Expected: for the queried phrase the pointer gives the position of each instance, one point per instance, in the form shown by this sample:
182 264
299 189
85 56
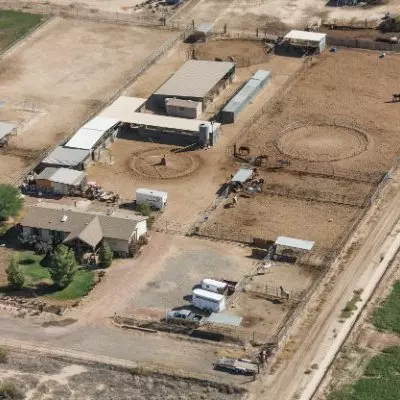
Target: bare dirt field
49 90
36 377
188 262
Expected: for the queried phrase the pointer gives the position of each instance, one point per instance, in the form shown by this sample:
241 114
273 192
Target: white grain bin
208 301
154 198
213 285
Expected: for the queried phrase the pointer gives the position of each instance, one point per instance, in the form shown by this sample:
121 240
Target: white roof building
173 123
294 243
123 107
91 133
305 35
65 176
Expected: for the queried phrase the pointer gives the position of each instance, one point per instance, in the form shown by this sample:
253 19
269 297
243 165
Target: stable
123 106
171 130
196 80
287 246
306 40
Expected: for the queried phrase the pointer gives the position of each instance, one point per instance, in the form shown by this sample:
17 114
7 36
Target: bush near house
15 276
11 201
105 255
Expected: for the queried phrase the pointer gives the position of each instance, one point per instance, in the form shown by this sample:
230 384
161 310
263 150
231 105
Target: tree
62 266
15 276
105 255
11 201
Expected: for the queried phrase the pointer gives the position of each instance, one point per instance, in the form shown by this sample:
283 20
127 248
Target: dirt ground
348 137
50 90
131 159
188 262
40 377
276 16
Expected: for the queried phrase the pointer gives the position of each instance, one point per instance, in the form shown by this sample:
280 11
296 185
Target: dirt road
373 246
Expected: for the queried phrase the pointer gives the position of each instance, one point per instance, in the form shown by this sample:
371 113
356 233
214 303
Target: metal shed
93 133
61 180
284 242
244 96
66 157
314 40
183 108
196 80
242 175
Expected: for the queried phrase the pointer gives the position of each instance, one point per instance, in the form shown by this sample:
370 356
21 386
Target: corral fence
361 43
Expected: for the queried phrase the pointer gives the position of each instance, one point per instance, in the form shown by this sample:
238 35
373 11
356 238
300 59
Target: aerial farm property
225 172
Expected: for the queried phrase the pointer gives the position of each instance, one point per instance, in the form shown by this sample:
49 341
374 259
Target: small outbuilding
285 245
183 108
306 40
63 181
67 157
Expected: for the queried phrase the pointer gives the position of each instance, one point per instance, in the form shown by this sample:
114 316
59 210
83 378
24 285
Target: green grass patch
14 24
381 380
35 275
387 317
80 286
31 268
351 305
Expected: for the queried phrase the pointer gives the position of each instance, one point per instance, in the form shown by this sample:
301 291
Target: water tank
204 135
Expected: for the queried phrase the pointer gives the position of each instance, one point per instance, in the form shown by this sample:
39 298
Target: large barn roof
195 78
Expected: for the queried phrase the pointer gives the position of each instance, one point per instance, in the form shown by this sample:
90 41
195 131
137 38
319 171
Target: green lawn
387 317
80 286
14 24
381 380
33 271
36 274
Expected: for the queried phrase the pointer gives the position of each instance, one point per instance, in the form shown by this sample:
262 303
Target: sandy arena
50 90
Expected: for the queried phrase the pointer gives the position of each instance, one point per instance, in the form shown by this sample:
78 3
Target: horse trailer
213 285
208 301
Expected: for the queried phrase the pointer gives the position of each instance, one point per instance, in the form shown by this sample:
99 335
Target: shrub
3 355
143 209
11 201
15 276
9 391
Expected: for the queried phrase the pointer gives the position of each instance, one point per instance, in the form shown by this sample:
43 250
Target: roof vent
64 218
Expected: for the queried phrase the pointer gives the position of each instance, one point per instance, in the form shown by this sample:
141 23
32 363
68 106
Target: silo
204 135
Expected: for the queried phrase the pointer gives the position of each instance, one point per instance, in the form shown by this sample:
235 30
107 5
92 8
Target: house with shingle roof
82 230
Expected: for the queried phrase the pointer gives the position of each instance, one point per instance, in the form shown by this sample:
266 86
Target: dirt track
354 270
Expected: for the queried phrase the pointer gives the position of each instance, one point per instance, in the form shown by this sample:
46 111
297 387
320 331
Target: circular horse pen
322 142
162 163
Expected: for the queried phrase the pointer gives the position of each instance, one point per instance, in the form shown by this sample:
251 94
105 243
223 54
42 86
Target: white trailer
208 301
154 198
213 285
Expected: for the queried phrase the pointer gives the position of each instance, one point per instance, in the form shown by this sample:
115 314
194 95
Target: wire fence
368 44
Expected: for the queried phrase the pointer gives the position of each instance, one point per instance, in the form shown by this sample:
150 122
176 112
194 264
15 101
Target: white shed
315 40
